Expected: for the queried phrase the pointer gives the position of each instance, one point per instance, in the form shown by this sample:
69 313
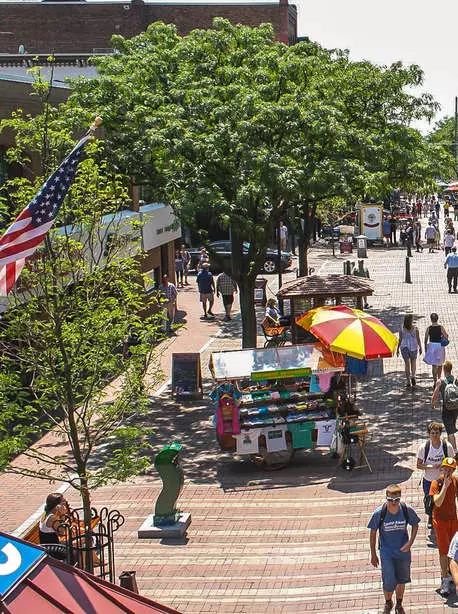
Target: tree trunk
308 212
88 539
249 332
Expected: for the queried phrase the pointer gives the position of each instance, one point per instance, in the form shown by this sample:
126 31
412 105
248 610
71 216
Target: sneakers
444 590
399 609
388 607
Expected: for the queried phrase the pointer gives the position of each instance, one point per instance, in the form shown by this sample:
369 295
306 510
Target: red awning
54 587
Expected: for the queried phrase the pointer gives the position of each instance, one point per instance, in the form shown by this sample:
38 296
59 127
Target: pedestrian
430 236
391 520
179 268
393 230
452 272
203 257
449 240
435 335
437 208
419 208
283 236
186 257
361 271
447 390
409 346
455 211
227 287
453 559
430 455
206 285
425 208
417 236
386 228
445 522
446 208
169 293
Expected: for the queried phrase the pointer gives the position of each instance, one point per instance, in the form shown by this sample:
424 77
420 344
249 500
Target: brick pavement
292 540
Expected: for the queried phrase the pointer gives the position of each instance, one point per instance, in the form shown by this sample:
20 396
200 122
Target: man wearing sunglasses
391 520
445 520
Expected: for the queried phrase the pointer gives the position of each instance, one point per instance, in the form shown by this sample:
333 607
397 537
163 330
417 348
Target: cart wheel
349 463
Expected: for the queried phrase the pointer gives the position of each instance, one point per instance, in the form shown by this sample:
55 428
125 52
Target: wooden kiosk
306 293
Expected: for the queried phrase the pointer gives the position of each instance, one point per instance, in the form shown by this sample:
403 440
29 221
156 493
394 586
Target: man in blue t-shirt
391 520
206 285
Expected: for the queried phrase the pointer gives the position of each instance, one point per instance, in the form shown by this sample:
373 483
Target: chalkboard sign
186 375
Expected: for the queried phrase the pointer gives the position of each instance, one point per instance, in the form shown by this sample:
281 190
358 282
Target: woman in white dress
409 346
434 350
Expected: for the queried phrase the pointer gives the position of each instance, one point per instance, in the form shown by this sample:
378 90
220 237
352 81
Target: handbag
444 341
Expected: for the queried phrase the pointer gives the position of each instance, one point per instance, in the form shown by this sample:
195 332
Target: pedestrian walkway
292 540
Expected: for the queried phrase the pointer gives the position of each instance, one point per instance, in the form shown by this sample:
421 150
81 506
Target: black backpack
384 511
428 500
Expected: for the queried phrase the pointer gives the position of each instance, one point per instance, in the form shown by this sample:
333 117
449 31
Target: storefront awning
32 581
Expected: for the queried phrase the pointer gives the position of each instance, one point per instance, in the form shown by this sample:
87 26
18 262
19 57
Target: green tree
229 121
63 338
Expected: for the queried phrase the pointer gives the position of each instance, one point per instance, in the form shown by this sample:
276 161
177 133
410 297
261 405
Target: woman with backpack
447 390
409 346
436 338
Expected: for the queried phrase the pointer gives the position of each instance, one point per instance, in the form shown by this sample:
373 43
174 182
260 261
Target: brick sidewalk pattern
292 540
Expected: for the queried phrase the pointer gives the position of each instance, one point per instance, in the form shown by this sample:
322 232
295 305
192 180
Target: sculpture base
148 530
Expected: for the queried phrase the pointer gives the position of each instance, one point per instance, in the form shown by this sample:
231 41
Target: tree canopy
229 121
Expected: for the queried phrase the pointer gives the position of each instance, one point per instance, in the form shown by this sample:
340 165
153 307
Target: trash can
361 245
260 291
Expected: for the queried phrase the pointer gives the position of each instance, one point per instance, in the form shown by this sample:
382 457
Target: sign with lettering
17 558
186 375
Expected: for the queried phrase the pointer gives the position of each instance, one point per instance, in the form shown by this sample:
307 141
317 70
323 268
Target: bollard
409 250
128 580
408 279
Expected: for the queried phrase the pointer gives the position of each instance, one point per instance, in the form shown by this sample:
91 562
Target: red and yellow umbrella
350 331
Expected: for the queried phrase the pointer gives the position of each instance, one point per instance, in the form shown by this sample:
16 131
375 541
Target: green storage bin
301 433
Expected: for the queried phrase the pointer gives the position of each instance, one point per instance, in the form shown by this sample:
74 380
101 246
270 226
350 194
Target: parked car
223 252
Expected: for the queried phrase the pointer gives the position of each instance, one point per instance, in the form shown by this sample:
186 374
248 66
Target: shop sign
281 373
17 558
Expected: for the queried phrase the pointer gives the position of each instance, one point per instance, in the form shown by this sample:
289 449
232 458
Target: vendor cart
270 402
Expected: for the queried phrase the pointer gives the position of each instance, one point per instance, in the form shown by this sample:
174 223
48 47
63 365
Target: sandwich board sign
17 559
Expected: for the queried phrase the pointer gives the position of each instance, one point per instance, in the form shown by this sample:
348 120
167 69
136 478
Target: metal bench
274 337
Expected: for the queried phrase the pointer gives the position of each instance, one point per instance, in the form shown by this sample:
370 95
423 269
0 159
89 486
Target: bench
274 337
33 534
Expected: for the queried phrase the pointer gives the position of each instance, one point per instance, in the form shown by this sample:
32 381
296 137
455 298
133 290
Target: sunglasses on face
393 499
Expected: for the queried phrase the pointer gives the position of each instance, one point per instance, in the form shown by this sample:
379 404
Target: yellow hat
449 462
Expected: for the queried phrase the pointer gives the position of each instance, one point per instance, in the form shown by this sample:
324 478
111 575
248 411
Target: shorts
445 531
228 299
431 241
449 417
394 572
409 354
206 296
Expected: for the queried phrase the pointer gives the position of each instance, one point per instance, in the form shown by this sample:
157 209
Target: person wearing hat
206 285
445 521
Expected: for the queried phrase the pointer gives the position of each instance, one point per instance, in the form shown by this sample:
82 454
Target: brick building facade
84 27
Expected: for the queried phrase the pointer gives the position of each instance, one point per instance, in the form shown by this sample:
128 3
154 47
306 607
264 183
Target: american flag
29 229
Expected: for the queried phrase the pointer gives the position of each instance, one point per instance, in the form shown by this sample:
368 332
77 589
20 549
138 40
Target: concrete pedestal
148 530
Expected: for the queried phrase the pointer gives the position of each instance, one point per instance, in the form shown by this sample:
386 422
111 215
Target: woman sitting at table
274 316
55 509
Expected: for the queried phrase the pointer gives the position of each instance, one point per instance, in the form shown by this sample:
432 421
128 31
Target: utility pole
455 144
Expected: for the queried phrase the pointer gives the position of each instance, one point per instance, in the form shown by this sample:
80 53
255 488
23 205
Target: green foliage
443 137
63 338
231 122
